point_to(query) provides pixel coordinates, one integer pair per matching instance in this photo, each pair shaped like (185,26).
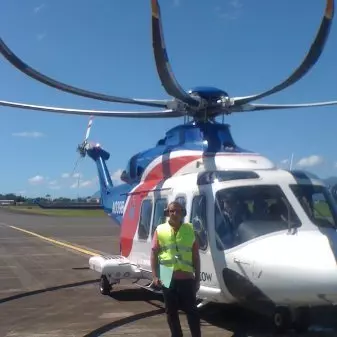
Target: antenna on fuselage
(291,162)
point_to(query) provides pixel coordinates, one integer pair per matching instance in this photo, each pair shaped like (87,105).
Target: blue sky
(241,46)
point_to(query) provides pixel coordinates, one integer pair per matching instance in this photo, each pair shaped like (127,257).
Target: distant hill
(330,181)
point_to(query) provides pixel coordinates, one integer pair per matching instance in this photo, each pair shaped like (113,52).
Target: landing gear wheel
(104,286)
(282,319)
(302,321)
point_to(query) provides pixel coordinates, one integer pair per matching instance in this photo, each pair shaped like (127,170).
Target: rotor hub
(212,101)
(212,97)
(208,93)
(81,150)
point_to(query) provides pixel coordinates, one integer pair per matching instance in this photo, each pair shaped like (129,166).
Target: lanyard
(175,233)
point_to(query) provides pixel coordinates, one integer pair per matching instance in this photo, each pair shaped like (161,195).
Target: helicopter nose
(329,290)
(286,269)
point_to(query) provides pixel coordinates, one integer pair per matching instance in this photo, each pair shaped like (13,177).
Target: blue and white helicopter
(278,253)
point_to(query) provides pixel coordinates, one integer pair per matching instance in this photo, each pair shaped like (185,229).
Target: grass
(321,207)
(58,212)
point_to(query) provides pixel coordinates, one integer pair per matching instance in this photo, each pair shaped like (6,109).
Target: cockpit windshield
(318,204)
(246,212)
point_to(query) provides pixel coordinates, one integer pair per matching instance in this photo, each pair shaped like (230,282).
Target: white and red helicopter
(277,255)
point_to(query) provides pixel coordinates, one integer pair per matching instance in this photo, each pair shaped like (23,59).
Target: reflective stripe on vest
(174,246)
(176,250)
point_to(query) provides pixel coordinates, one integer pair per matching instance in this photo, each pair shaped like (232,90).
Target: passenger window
(199,220)
(182,201)
(145,219)
(158,217)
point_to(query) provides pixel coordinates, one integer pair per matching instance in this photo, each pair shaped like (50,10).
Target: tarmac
(46,288)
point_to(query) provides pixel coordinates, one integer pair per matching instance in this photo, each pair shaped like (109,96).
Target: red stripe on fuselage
(131,217)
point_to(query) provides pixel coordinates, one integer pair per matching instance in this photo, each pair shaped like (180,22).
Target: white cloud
(23,192)
(41,36)
(310,161)
(115,177)
(83,184)
(87,183)
(74,185)
(230,10)
(54,185)
(235,4)
(37,9)
(33,134)
(77,175)
(36,180)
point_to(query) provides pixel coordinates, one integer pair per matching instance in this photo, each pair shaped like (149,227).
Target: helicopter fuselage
(279,254)
(207,137)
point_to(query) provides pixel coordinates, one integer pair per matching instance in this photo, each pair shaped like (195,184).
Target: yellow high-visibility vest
(176,249)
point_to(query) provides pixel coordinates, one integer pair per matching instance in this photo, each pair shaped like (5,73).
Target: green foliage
(57,212)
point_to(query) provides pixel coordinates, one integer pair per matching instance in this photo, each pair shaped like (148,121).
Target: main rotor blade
(257,107)
(31,72)
(165,73)
(103,113)
(309,61)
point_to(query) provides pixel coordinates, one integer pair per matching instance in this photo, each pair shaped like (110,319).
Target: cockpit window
(318,204)
(246,212)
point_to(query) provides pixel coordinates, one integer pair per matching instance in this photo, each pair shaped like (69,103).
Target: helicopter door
(158,215)
(142,246)
(198,218)
(216,251)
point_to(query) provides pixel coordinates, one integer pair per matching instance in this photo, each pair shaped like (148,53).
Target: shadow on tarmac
(239,321)
(40,291)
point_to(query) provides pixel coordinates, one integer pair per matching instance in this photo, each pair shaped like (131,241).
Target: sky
(241,46)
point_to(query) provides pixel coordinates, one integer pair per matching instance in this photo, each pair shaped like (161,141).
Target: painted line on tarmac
(82,250)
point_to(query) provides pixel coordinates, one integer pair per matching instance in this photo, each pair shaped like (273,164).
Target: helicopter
(264,259)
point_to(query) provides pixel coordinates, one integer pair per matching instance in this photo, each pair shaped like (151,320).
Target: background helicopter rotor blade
(81,147)
(87,134)
(257,107)
(164,70)
(103,113)
(82,151)
(309,61)
(31,72)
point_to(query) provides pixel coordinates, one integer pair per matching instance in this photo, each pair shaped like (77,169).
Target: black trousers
(182,295)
